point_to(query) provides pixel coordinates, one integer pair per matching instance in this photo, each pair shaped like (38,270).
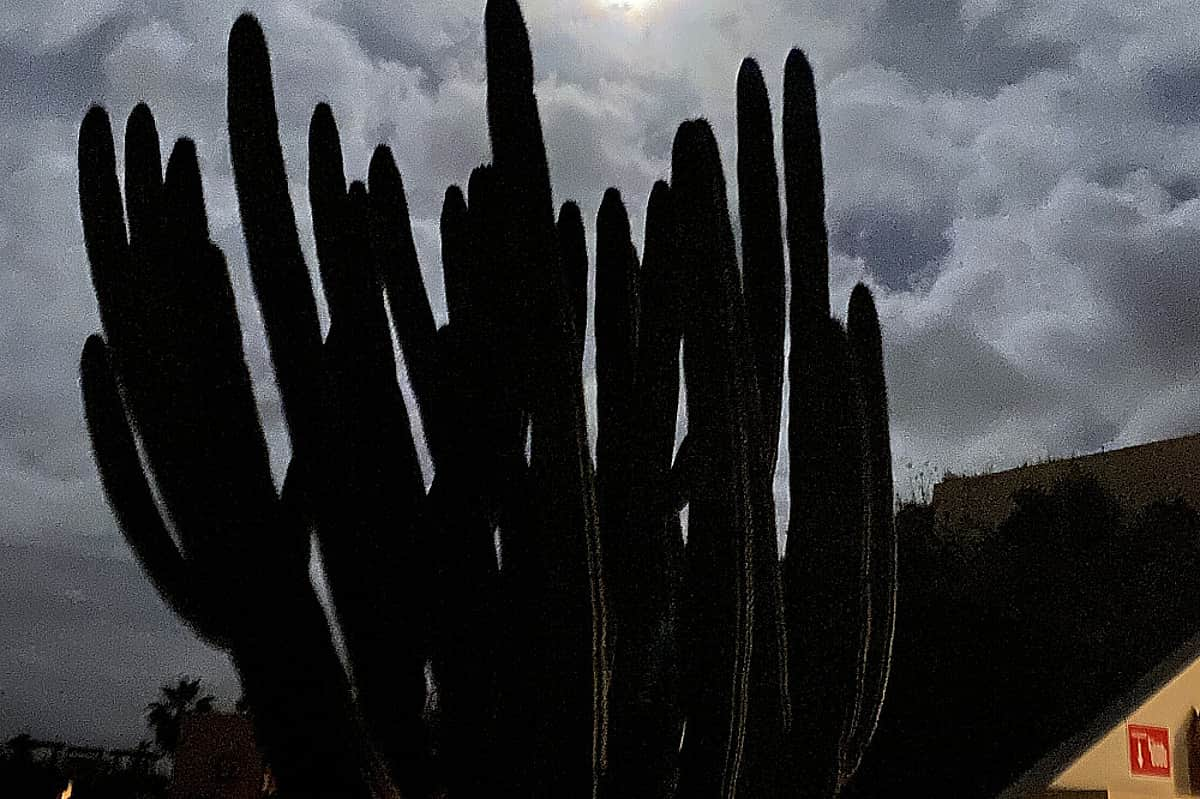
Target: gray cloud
(61,81)
(945,378)
(940,47)
(85,643)
(900,246)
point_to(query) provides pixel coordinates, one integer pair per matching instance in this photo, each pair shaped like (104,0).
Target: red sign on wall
(1149,751)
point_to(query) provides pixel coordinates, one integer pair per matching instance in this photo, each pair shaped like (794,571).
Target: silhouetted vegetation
(577,645)
(35,768)
(165,715)
(43,769)
(594,653)
(1009,643)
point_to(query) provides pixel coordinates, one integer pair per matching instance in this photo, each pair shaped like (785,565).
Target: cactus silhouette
(170,372)
(576,644)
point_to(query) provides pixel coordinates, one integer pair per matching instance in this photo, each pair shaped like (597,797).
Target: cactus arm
(867,350)
(396,258)
(528,244)
(372,472)
(471,357)
(657,392)
(130,496)
(494,323)
(616,332)
(467,628)
(457,265)
(483,215)
(475,654)
(143,175)
(175,343)
(489,329)
(297,689)
(644,545)
(185,220)
(400,269)
(115,272)
(198,419)
(804,182)
(569,599)
(518,150)
(763,281)
(174,337)
(572,247)
(617,311)
(280,277)
(374,567)
(762,247)
(657,381)
(103,221)
(526,248)
(720,391)
(825,566)
(327,201)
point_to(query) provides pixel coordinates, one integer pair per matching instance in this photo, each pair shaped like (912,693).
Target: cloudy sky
(1018,180)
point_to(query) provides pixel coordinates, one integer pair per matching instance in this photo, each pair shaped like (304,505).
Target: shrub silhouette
(1069,590)
(575,662)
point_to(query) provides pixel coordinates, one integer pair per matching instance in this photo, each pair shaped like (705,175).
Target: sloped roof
(1131,474)
(1039,777)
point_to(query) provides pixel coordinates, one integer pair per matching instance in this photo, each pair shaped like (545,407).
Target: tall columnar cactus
(577,645)
(371,476)
(638,331)
(866,349)
(170,372)
(839,568)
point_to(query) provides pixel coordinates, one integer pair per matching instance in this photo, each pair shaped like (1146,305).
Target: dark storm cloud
(1173,92)
(898,247)
(62,80)
(940,48)
(382,42)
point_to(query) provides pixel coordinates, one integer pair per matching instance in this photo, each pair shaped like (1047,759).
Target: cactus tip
(95,123)
(139,118)
(612,197)
(749,71)
(322,118)
(798,65)
(862,304)
(383,166)
(247,31)
(570,215)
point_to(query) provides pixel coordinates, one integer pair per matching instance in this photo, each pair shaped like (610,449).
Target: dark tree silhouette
(165,715)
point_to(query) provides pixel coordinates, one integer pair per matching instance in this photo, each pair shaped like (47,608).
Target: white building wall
(1106,765)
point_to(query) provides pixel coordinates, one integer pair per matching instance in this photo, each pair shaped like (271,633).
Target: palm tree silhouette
(165,715)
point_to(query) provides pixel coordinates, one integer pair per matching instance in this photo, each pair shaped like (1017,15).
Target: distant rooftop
(1136,475)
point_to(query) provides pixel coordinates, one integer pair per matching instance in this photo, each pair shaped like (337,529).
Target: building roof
(1015,653)
(1134,475)
(1038,778)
